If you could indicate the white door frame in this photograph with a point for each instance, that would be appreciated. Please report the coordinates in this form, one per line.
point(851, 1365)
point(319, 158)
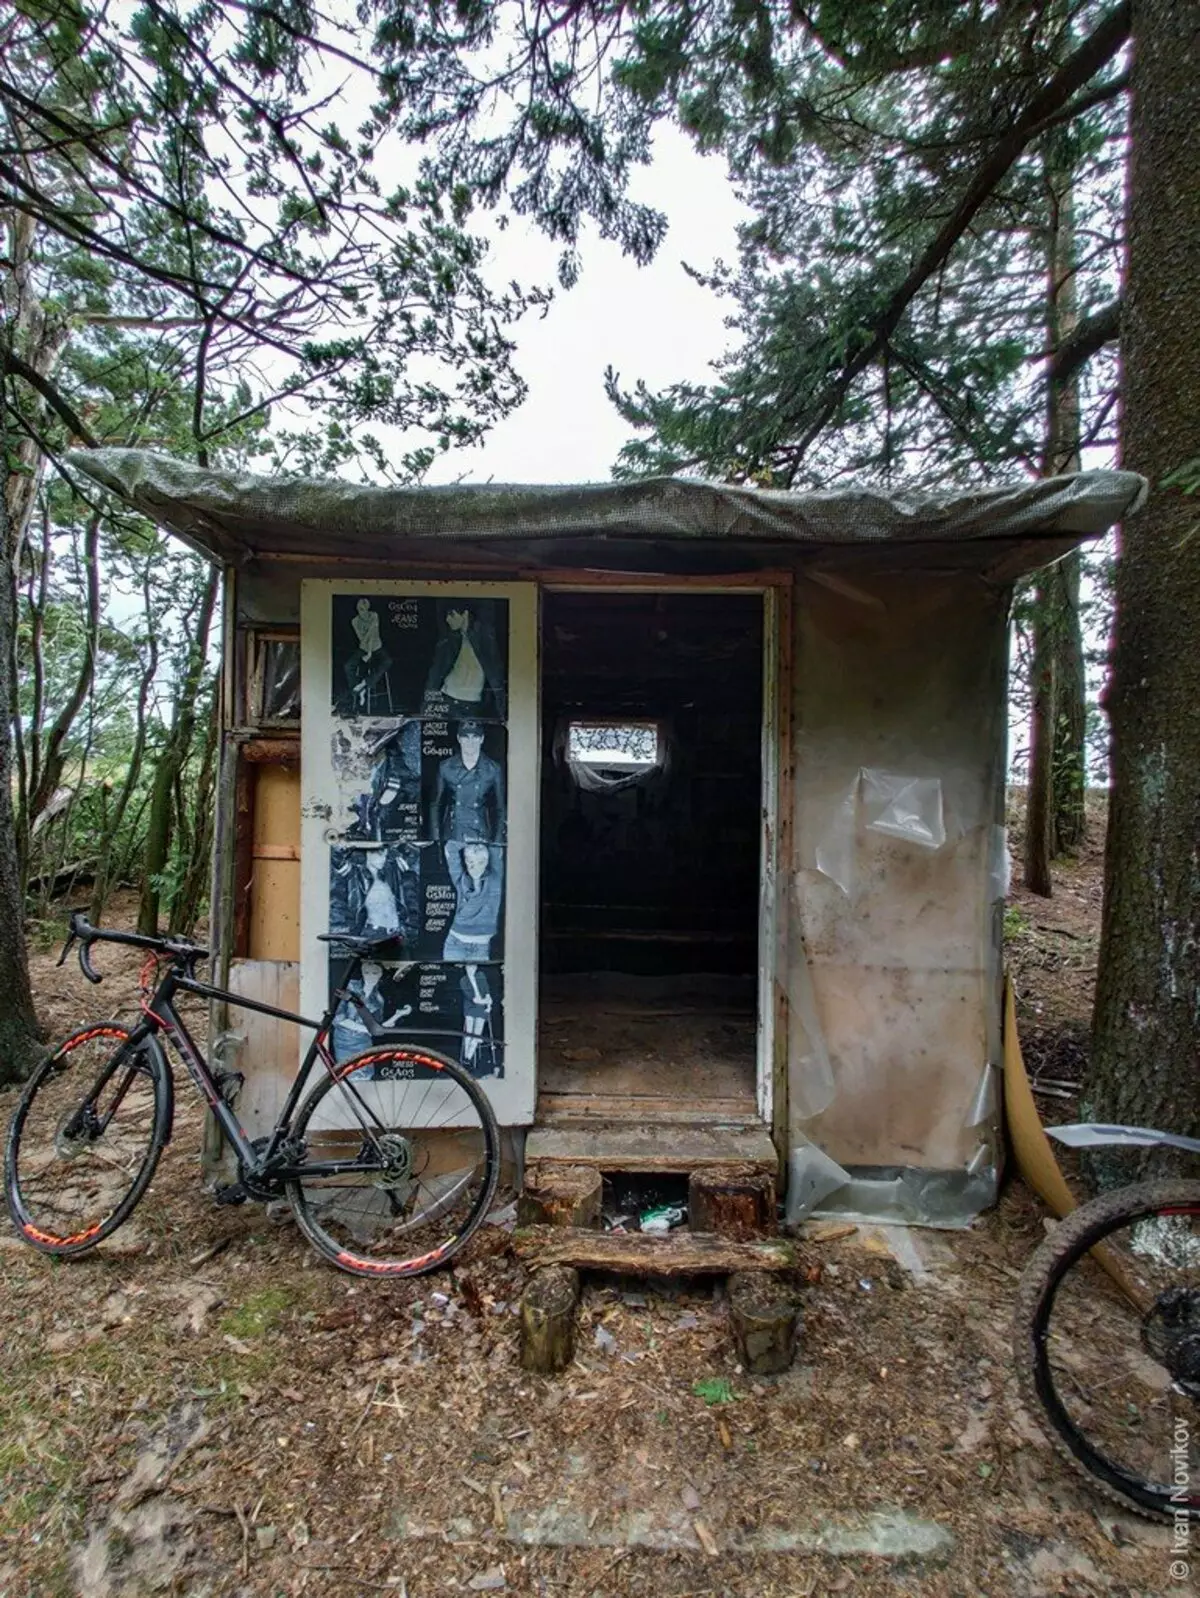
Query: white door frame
point(768, 586)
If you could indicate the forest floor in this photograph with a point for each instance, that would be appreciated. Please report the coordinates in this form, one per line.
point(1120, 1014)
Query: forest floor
point(202, 1407)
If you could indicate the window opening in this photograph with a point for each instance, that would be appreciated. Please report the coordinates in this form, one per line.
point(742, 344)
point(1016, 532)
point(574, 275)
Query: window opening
point(273, 688)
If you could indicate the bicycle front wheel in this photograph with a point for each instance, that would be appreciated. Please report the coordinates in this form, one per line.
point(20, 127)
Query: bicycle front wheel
point(1109, 1358)
point(85, 1139)
point(404, 1154)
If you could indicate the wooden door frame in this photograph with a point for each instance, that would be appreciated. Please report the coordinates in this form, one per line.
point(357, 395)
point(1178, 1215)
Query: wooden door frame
point(775, 829)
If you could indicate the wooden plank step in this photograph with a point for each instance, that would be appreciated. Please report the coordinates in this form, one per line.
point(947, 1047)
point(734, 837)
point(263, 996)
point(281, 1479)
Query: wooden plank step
point(617, 1146)
point(679, 1253)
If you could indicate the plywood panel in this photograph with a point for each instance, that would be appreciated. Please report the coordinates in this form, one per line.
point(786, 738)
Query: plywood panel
point(268, 1051)
point(275, 878)
point(905, 676)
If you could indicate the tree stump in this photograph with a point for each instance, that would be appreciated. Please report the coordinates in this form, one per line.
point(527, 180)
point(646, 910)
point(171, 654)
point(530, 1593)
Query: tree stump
point(548, 1320)
point(765, 1318)
point(561, 1195)
point(732, 1201)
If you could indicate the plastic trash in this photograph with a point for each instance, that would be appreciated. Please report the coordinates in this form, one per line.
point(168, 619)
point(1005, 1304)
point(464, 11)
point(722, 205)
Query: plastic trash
point(662, 1218)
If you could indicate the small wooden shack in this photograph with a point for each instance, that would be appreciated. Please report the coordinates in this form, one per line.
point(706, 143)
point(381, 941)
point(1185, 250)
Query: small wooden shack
point(688, 800)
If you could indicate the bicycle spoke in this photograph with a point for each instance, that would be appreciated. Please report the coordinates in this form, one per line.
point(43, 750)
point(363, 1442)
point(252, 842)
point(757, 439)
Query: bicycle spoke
point(427, 1174)
point(86, 1137)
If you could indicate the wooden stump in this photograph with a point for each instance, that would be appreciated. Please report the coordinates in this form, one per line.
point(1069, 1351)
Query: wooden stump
point(548, 1320)
point(561, 1195)
point(732, 1201)
point(765, 1317)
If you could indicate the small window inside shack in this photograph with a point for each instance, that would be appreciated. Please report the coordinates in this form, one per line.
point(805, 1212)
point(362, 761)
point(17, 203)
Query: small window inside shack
point(273, 687)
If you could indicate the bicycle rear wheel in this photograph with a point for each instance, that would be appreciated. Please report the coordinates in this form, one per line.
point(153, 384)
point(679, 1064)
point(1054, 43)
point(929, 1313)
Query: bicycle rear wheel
point(1112, 1372)
point(85, 1138)
point(422, 1154)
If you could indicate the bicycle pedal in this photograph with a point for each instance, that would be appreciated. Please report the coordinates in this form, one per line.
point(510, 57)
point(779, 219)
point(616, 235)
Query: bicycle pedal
point(233, 1193)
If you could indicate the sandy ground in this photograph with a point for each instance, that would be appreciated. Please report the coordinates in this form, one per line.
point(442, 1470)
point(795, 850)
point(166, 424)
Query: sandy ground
point(203, 1407)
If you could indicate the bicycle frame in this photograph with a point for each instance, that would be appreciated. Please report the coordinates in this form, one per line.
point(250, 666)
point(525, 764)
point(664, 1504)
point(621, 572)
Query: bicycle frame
point(160, 1015)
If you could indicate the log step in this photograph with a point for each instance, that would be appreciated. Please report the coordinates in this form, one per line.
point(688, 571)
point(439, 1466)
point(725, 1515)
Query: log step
point(662, 1148)
point(679, 1253)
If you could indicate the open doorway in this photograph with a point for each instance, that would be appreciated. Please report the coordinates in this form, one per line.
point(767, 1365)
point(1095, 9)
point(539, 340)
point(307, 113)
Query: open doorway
point(651, 822)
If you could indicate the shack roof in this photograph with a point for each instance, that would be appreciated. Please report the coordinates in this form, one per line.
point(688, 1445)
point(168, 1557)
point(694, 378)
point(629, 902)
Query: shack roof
point(237, 517)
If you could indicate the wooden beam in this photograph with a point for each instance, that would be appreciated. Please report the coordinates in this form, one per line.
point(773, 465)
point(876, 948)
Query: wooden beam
point(643, 1254)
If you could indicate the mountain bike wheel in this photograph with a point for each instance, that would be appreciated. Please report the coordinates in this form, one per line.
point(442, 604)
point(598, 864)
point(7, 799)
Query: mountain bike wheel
point(1116, 1384)
point(424, 1149)
point(85, 1139)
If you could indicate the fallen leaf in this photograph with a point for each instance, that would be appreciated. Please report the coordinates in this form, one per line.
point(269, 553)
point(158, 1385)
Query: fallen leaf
point(705, 1538)
point(492, 1580)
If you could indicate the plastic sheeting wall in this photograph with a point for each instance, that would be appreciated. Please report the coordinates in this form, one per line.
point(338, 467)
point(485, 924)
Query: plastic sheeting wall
point(898, 873)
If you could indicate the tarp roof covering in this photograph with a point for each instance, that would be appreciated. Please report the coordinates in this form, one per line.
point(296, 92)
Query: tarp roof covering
point(238, 516)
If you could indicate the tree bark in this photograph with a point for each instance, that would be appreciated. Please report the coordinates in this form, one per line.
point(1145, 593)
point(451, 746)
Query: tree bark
point(1055, 808)
point(1145, 1064)
point(1038, 813)
point(1063, 429)
point(172, 759)
point(19, 1032)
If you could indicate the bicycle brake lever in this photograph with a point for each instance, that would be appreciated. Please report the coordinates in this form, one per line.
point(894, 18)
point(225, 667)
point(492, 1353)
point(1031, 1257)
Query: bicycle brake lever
point(66, 949)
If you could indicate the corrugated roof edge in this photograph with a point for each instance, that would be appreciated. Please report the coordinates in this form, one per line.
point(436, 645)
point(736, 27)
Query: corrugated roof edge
point(228, 513)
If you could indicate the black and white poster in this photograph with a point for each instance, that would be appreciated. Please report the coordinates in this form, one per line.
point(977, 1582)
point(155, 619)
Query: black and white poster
point(411, 780)
point(457, 1010)
point(438, 901)
point(419, 777)
point(420, 656)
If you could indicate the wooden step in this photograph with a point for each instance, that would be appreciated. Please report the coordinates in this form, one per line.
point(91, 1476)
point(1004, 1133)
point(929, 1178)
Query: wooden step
point(670, 1147)
point(679, 1253)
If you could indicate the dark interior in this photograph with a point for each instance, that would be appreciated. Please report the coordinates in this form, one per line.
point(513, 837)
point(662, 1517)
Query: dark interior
point(650, 882)
point(659, 876)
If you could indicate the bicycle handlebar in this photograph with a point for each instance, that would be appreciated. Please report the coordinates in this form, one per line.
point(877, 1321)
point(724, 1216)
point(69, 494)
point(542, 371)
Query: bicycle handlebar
point(81, 931)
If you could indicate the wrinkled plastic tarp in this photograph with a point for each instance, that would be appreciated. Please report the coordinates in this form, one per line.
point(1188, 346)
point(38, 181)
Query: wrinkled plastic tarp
point(235, 515)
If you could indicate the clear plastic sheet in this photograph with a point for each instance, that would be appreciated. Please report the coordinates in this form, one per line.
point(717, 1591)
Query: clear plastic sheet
point(281, 679)
point(897, 900)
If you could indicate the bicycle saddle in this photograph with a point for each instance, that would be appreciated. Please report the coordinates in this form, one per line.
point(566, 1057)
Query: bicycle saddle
point(385, 945)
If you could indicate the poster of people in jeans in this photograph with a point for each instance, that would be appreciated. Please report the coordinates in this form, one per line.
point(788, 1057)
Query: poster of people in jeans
point(456, 1009)
point(414, 656)
point(415, 802)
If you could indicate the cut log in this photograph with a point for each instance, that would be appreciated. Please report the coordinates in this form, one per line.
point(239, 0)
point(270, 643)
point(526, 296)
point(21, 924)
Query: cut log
point(642, 1254)
point(765, 1317)
point(732, 1201)
point(548, 1320)
point(561, 1195)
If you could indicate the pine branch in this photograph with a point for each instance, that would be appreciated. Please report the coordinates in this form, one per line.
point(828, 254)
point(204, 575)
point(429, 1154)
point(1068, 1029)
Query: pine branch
point(56, 401)
point(1092, 334)
point(1092, 55)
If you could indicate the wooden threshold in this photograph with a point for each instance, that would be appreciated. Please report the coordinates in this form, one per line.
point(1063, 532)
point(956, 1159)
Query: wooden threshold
point(555, 1109)
point(650, 1146)
point(680, 1253)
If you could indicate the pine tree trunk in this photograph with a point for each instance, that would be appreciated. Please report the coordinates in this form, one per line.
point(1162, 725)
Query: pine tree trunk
point(1055, 809)
point(172, 760)
point(1038, 815)
point(1070, 720)
point(1063, 427)
point(1145, 1064)
point(19, 1033)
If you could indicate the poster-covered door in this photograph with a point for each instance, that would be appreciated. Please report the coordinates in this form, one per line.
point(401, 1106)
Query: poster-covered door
point(419, 763)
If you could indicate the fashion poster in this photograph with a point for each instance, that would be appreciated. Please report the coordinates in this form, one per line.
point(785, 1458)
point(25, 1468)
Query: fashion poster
point(454, 1009)
point(420, 656)
point(463, 781)
point(437, 901)
point(419, 786)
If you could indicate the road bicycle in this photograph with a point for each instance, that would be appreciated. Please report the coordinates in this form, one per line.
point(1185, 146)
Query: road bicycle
point(1107, 1334)
point(389, 1160)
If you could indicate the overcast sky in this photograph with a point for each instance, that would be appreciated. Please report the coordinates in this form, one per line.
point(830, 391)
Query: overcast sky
point(649, 322)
